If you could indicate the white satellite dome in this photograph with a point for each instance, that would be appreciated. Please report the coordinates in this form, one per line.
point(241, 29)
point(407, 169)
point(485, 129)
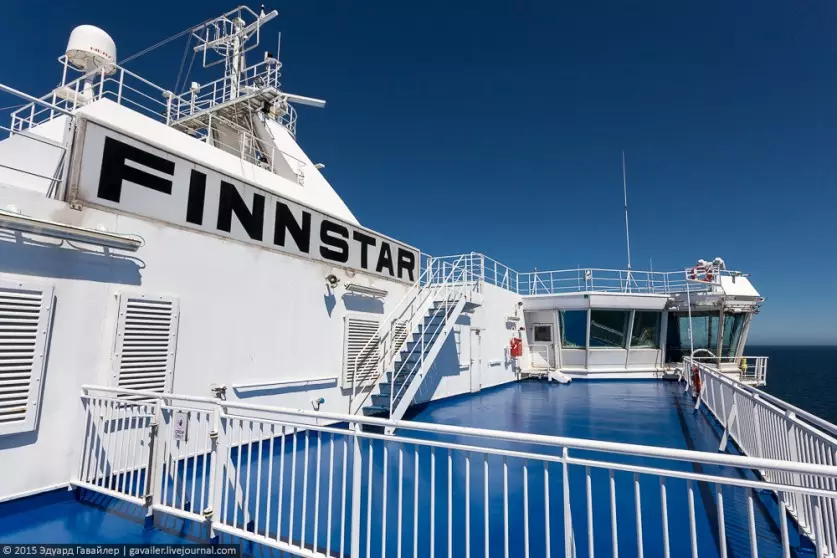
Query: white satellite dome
point(90, 48)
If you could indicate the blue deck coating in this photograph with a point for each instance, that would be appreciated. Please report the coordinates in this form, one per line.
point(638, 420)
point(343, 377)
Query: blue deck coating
point(64, 517)
point(639, 412)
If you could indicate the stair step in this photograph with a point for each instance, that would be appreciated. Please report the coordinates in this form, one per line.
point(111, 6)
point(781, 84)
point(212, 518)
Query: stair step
point(376, 410)
point(382, 400)
point(385, 386)
point(410, 345)
point(417, 334)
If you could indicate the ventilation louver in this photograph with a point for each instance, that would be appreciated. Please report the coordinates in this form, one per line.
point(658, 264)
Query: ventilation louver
point(359, 352)
point(24, 327)
point(146, 342)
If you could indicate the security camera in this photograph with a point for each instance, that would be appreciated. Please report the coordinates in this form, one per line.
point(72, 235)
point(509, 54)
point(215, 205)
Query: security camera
point(520, 303)
point(332, 280)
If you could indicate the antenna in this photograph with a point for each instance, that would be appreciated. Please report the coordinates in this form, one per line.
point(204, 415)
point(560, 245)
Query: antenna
point(627, 228)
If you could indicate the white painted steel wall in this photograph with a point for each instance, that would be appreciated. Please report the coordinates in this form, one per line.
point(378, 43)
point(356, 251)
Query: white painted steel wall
point(246, 315)
point(451, 374)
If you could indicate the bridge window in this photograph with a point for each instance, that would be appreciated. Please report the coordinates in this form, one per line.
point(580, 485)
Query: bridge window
point(573, 329)
point(733, 325)
point(646, 330)
point(609, 328)
point(704, 334)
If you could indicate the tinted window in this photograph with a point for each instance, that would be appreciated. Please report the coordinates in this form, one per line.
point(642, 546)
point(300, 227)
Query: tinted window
point(733, 324)
point(542, 334)
point(646, 330)
point(608, 328)
point(704, 334)
point(573, 329)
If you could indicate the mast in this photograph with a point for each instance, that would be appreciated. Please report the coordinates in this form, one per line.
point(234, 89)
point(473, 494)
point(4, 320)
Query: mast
point(627, 228)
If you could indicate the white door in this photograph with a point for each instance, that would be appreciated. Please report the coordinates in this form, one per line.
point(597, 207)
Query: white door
point(542, 347)
point(476, 360)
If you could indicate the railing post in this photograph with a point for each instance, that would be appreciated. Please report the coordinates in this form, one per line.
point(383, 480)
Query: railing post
point(121, 81)
point(220, 442)
point(102, 83)
point(156, 461)
point(793, 454)
point(757, 424)
point(168, 96)
point(357, 483)
point(569, 538)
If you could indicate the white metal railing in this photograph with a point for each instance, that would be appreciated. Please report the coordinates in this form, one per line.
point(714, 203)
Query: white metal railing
point(133, 91)
point(610, 280)
point(592, 279)
point(751, 369)
point(50, 155)
point(540, 356)
point(264, 74)
point(121, 86)
point(764, 426)
point(313, 483)
point(377, 355)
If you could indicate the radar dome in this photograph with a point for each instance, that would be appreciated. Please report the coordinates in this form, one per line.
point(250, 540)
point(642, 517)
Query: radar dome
point(90, 48)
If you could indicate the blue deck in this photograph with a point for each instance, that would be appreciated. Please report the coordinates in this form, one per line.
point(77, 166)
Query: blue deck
point(638, 412)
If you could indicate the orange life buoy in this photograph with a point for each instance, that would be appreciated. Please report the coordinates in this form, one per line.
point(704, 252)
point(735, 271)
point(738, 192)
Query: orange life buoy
point(696, 379)
point(516, 347)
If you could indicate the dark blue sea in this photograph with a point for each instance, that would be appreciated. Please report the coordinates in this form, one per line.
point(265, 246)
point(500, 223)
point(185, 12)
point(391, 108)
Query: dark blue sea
point(803, 376)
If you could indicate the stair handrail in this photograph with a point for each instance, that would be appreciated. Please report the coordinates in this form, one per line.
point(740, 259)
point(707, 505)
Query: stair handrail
point(414, 298)
point(451, 285)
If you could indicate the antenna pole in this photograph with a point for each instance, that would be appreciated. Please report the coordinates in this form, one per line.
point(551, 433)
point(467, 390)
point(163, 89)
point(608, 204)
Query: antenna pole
point(627, 228)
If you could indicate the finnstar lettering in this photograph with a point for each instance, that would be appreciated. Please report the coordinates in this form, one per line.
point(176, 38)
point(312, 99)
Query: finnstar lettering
point(140, 179)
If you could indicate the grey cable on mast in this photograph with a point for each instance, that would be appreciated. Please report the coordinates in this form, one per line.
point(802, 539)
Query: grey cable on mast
point(158, 45)
point(166, 41)
point(182, 64)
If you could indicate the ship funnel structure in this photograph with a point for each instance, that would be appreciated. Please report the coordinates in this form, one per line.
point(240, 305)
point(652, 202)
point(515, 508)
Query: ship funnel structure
point(90, 48)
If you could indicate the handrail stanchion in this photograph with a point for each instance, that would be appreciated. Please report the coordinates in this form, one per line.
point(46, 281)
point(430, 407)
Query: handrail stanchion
point(121, 81)
point(220, 443)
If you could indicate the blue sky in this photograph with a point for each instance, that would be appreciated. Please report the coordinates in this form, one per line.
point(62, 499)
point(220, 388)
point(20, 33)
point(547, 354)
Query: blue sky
point(498, 126)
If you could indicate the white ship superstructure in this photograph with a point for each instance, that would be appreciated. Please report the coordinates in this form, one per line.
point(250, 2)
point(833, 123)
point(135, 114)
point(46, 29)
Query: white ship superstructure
point(178, 260)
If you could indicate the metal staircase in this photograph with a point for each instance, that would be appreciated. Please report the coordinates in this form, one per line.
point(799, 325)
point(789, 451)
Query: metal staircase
point(398, 358)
